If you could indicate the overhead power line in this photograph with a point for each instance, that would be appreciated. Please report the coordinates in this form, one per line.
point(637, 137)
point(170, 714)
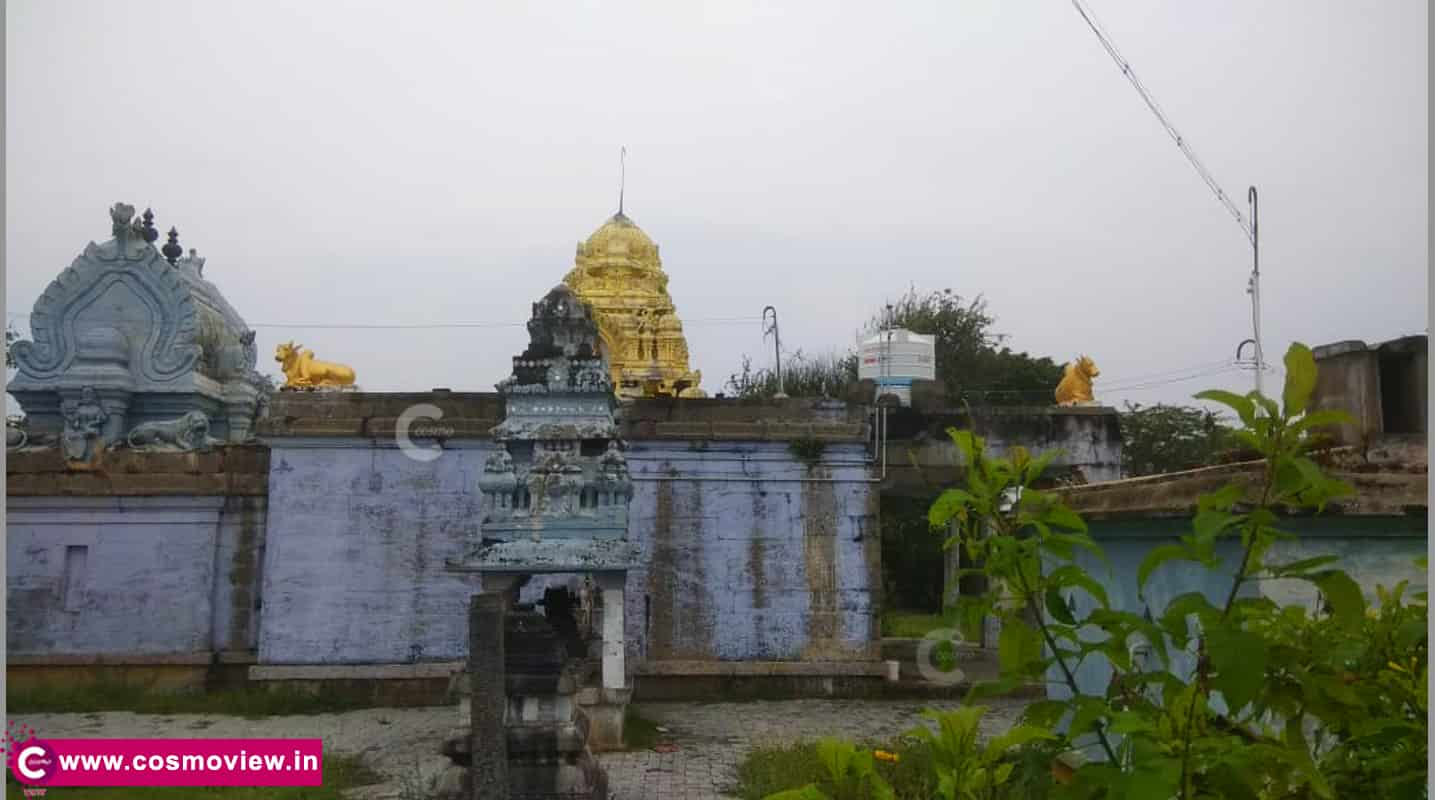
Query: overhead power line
point(1136, 387)
point(418, 325)
point(1161, 117)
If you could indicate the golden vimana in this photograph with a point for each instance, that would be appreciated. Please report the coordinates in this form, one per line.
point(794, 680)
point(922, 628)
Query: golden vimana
point(618, 273)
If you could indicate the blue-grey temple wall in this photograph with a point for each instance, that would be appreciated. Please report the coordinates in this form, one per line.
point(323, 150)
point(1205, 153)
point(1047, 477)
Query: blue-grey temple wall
point(126, 575)
point(747, 552)
point(750, 553)
point(354, 568)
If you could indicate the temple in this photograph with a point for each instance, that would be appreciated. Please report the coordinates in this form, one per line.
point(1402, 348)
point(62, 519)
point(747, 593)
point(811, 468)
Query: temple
point(132, 345)
point(618, 273)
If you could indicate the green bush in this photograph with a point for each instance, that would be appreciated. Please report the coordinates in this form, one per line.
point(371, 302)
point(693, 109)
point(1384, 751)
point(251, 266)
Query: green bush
point(1282, 704)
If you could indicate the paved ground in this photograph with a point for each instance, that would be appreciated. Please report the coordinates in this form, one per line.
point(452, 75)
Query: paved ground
point(713, 737)
point(403, 744)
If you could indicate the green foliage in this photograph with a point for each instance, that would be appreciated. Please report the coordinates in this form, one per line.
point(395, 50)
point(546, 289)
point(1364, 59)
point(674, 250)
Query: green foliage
point(826, 375)
point(965, 769)
point(639, 732)
point(948, 762)
point(912, 556)
point(1282, 703)
point(914, 624)
point(808, 451)
point(972, 363)
point(1163, 438)
point(11, 337)
point(848, 773)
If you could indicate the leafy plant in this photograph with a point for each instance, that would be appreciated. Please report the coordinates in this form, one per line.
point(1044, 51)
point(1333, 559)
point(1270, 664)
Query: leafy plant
point(1273, 706)
point(1223, 696)
point(851, 774)
point(966, 770)
point(808, 451)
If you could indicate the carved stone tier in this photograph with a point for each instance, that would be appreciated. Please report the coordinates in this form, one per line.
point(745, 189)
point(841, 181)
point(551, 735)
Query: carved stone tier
point(555, 500)
point(125, 337)
point(618, 273)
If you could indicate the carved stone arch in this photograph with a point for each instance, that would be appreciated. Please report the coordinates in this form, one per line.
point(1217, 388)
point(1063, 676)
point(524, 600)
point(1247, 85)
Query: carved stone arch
point(170, 348)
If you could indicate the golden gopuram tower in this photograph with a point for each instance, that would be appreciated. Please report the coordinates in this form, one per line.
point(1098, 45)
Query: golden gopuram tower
point(617, 271)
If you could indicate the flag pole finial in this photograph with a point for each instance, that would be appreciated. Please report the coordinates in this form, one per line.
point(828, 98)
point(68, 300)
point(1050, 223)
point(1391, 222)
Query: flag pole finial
point(622, 175)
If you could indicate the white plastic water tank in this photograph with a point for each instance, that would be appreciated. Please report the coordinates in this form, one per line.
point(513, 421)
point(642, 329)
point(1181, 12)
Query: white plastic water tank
point(896, 357)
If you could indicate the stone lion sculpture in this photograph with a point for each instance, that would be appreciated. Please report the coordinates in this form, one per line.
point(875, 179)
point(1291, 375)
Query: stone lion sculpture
point(1075, 386)
point(188, 432)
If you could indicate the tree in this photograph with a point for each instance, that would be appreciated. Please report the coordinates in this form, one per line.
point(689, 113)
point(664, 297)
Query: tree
point(1164, 438)
point(11, 336)
point(972, 364)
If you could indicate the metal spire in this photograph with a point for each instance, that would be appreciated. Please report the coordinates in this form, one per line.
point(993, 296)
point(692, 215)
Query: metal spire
point(622, 175)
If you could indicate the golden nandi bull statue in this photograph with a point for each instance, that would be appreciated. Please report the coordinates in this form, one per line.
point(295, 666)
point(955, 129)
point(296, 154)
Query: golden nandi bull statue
point(303, 371)
point(1075, 386)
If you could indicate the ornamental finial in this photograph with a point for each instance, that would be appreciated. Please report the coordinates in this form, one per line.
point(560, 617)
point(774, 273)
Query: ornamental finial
point(171, 250)
point(622, 176)
point(147, 228)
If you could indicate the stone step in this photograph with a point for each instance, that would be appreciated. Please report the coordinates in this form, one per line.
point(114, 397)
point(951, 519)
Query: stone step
point(539, 710)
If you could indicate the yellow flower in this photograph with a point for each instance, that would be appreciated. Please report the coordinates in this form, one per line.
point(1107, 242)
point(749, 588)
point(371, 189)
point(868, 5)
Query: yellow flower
point(883, 755)
point(1395, 666)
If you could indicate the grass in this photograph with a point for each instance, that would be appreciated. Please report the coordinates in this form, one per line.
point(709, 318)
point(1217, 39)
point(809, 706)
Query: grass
point(638, 733)
point(249, 702)
point(899, 624)
point(769, 770)
point(340, 773)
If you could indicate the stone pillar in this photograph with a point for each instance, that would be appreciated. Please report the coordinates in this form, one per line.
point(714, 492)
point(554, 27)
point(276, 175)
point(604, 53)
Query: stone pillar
point(614, 669)
point(489, 698)
point(604, 708)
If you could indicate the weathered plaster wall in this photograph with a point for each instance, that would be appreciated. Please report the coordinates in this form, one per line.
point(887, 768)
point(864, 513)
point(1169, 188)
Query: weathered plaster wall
point(142, 585)
point(1348, 379)
point(239, 553)
point(921, 458)
point(1373, 550)
point(750, 553)
point(354, 567)
point(747, 553)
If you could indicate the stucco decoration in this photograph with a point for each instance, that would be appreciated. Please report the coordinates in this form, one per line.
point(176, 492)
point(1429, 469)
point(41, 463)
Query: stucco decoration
point(558, 491)
point(151, 339)
point(15, 436)
point(190, 431)
point(82, 437)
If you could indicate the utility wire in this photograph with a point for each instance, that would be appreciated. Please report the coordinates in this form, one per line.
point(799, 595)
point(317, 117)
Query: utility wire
point(416, 325)
point(1155, 107)
point(1136, 387)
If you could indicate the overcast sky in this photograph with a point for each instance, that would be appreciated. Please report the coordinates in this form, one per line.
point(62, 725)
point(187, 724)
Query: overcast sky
point(381, 163)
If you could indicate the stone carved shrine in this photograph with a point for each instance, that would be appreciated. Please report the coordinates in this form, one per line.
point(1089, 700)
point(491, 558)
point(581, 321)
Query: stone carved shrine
point(133, 346)
point(555, 500)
